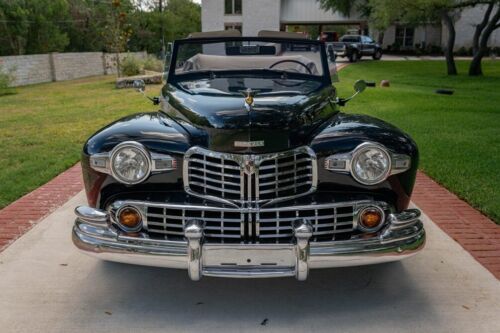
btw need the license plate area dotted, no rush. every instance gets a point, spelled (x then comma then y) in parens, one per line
(243, 255)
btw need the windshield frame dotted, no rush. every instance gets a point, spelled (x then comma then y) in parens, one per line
(173, 77)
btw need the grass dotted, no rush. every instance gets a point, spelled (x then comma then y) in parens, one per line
(458, 136)
(43, 128)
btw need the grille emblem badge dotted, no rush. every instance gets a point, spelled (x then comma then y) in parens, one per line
(249, 166)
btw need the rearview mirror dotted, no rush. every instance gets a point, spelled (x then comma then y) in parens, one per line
(139, 85)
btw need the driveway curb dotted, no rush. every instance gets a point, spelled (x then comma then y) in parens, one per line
(21, 215)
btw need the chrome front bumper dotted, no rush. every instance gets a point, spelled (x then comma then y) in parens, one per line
(402, 237)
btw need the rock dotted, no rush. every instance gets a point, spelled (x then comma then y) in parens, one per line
(128, 82)
(385, 83)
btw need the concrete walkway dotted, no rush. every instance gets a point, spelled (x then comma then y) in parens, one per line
(47, 286)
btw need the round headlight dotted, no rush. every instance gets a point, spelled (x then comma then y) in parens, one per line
(130, 163)
(370, 164)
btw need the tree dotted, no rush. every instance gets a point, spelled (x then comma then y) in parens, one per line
(416, 12)
(13, 27)
(481, 35)
(117, 30)
(47, 20)
(344, 7)
(33, 26)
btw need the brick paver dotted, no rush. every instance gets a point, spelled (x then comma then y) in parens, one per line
(476, 233)
(21, 215)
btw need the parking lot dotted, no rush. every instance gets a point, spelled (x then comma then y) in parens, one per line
(48, 286)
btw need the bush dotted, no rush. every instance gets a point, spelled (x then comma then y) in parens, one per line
(5, 81)
(151, 63)
(462, 52)
(130, 66)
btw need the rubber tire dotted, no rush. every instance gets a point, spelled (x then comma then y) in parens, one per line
(354, 56)
(377, 55)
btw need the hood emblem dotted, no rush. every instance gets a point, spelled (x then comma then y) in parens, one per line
(249, 95)
(249, 144)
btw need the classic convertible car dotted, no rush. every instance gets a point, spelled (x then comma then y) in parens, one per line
(249, 169)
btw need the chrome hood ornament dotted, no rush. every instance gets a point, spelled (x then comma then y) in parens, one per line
(249, 98)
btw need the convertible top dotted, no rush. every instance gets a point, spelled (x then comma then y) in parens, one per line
(236, 33)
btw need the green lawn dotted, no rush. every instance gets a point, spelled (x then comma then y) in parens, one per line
(458, 136)
(43, 128)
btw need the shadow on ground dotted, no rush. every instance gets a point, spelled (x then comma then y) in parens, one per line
(330, 298)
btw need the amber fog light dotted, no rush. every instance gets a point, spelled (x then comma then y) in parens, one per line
(129, 219)
(371, 218)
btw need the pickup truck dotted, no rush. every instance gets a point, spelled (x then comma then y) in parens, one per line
(354, 47)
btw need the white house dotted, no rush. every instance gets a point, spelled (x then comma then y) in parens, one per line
(251, 16)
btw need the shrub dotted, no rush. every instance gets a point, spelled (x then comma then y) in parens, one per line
(5, 81)
(151, 63)
(462, 52)
(130, 66)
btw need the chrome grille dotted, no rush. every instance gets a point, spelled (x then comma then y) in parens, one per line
(249, 225)
(238, 178)
(285, 176)
(214, 175)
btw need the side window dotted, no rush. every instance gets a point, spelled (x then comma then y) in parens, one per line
(232, 7)
(367, 40)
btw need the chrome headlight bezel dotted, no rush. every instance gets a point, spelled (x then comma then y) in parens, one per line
(343, 162)
(157, 163)
(363, 148)
(130, 145)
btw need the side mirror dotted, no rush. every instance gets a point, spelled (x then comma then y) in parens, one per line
(140, 86)
(359, 86)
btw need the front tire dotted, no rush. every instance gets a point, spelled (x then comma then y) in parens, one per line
(354, 56)
(377, 55)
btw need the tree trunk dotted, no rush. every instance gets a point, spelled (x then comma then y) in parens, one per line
(380, 38)
(450, 44)
(479, 29)
(475, 68)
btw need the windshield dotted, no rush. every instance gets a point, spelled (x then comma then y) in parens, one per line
(350, 39)
(243, 55)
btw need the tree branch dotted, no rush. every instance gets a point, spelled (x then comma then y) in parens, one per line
(473, 3)
(480, 27)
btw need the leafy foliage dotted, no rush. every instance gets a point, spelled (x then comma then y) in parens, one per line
(130, 66)
(5, 81)
(151, 63)
(41, 26)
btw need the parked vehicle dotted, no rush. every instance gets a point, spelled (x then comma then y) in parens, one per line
(249, 169)
(356, 46)
(328, 36)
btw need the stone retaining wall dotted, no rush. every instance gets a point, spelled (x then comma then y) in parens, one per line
(38, 68)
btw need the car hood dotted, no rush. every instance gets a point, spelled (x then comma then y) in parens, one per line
(278, 120)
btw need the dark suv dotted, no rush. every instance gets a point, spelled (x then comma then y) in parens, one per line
(356, 46)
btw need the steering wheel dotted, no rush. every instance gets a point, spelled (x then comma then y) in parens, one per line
(294, 61)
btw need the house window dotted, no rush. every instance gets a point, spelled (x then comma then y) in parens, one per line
(233, 26)
(404, 36)
(232, 7)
